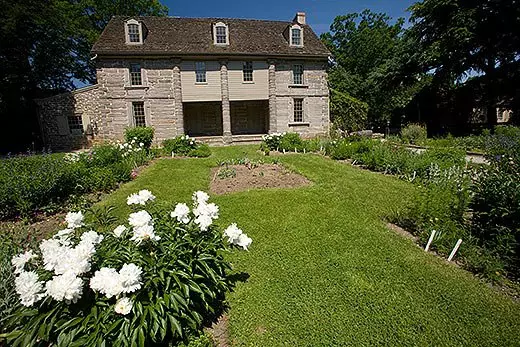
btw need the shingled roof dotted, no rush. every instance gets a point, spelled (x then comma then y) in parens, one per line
(193, 36)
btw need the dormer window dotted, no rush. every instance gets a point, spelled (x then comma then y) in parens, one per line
(220, 34)
(296, 36)
(134, 32)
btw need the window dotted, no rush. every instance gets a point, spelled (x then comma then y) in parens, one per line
(75, 124)
(135, 74)
(296, 36)
(138, 111)
(247, 71)
(298, 110)
(200, 72)
(133, 33)
(220, 34)
(298, 74)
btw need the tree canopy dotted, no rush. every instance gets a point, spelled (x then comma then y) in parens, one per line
(45, 47)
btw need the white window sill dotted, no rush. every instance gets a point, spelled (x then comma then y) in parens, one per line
(248, 82)
(298, 86)
(201, 83)
(142, 86)
(296, 124)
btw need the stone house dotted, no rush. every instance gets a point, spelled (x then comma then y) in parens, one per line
(223, 80)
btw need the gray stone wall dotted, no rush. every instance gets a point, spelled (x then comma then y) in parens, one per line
(160, 85)
(53, 113)
(315, 95)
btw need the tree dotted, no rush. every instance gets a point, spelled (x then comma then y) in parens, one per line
(463, 37)
(371, 62)
(45, 46)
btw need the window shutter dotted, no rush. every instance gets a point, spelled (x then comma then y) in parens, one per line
(63, 125)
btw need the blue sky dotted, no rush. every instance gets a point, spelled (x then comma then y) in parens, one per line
(320, 13)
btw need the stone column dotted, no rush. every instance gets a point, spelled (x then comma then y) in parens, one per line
(177, 96)
(226, 112)
(272, 96)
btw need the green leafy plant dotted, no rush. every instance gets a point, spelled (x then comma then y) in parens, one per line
(153, 282)
(347, 113)
(140, 135)
(184, 145)
(413, 133)
(226, 172)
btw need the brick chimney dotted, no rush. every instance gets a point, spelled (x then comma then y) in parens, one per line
(299, 18)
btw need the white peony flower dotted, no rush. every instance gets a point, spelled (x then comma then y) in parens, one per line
(106, 281)
(182, 213)
(21, 259)
(146, 195)
(119, 230)
(52, 253)
(200, 197)
(66, 287)
(232, 232)
(28, 286)
(140, 218)
(203, 221)
(243, 241)
(144, 232)
(134, 199)
(130, 277)
(74, 220)
(123, 306)
(140, 198)
(91, 237)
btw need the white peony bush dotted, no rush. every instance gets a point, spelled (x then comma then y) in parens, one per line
(150, 281)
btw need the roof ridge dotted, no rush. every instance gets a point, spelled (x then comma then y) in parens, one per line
(208, 18)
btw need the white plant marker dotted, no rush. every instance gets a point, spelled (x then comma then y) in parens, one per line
(321, 148)
(430, 241)
(455, 249)
(304, 151)
(284, 151)
(295, 150)
(173, 154)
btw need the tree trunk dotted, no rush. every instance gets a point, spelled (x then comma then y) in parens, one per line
(491, 110)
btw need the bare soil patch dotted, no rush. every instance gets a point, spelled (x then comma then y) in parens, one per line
(219, 332)
(405, 233)
(236, 178)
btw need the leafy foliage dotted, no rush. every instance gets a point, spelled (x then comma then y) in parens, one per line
(44, 47)
(140, 135)
(183, 282)
(24, 190)
(347, 113)
(183, 145)
(414, 134)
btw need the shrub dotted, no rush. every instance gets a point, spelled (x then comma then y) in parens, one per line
(290, 142)
(272, 141)
(413, 133)
(347, 113)
(33, 183)
(140, 135)
(183, 145)
(153, 282)
(202, 151)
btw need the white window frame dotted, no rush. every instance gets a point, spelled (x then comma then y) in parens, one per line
(302, 110)
(295, 27)
(302, 82)
(127, 32)
(220, 25)
(244, 71)
(199, 70)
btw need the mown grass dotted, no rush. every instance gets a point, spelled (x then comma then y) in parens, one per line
(324, 269)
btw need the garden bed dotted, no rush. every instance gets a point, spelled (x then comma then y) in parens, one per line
(236, 178)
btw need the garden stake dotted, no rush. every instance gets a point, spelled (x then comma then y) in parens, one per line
(452, 254)
(430, 241)
(304, 151)
(173, 154)
(295, 150)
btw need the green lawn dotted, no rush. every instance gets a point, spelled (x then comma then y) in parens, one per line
(324, 269)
